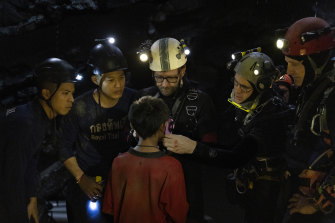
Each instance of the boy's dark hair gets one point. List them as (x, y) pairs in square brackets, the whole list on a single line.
[(147, 114)]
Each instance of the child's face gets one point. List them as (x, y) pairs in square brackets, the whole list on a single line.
[(113, 84)]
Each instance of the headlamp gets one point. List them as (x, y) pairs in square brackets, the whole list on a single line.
[(282, 44), (110, 40), (308, 36), (233, 57), (79, 77), (144, 57), (144, 51), (185, 48), (239, 55)]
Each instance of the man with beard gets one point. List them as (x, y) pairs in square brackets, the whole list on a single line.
[(192, 111)]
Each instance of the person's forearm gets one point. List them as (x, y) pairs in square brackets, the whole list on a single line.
[(72, 165), (227, 157)]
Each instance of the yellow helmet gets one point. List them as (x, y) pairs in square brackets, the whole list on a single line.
[(167, 54)]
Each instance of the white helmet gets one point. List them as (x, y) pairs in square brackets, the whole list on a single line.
[(167, 54)]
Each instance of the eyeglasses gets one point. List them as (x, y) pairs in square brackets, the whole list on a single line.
[(244, 89), (160, 79)]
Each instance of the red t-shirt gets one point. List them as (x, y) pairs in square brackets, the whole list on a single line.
[(146, 187)]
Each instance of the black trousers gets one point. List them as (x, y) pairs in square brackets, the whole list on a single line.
[(78, 207), (262, 201), (194, 190)]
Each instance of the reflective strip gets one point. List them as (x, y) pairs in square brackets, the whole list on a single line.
[(238, 105), (164, 54)]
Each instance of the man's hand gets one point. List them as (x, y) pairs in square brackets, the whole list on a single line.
[(301, 204), (91, 188), (32, 209), (179, 144)]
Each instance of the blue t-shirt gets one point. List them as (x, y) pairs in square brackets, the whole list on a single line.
[(95, 135)]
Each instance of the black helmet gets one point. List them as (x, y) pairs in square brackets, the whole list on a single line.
[(105, 57), (54, 70)]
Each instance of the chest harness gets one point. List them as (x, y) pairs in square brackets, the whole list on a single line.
[(189, 100)]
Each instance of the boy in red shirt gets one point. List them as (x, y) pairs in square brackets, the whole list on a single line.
[(145, 184)]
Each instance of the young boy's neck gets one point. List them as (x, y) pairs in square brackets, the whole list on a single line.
[(149, 144)]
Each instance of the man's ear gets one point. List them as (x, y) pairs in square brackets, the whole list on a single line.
[(94, 79), (46, 94), (182, 71)]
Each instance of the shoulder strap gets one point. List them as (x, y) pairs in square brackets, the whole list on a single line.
[(188, 101), (178, 104), (306, 109), (192, 95)]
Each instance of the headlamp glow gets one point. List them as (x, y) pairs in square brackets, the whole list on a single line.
[(93, 205), (144, 51), (187, 51), (282, 44), (79, 77), (111, 40), (144, 57), (185, 48)]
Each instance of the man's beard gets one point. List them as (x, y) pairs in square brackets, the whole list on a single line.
[(168, 91)]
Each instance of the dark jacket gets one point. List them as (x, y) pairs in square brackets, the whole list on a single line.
[(265, 134), (23, 130), (306, 146)]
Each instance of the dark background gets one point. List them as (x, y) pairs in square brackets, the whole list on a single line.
[(32, 30)]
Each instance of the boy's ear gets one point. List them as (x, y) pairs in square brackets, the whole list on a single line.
[(163, 127), (46, 94)]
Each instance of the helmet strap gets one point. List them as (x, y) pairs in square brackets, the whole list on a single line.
[(317, 70), (99, 97), (99, 77), (248, 105), (48, 101)]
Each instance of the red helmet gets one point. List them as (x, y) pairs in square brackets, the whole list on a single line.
[(317, 37), (287, 80)]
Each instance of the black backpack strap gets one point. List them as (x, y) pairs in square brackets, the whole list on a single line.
[(320, 118), (188, 101), (178, 104)]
